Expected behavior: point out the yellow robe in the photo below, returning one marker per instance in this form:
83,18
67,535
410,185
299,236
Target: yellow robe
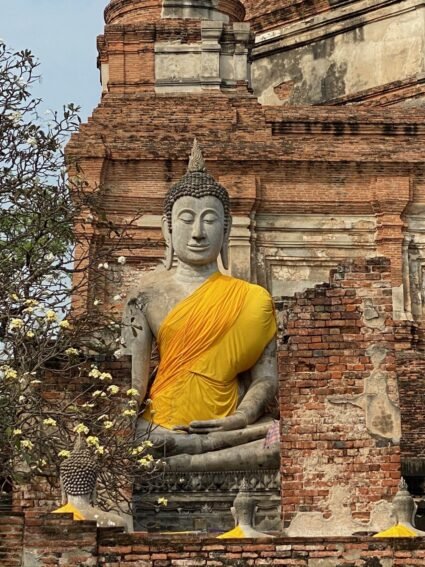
209,338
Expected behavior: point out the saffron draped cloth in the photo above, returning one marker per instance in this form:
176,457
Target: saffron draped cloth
210,337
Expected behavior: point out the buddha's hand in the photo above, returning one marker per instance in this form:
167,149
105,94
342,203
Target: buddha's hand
230,423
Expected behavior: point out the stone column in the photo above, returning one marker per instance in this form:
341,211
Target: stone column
210,58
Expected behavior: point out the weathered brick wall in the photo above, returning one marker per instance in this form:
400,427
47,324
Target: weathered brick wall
267,14
58,541
11,539
411,377
338,399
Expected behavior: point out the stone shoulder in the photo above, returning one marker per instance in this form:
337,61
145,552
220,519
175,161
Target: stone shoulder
150,284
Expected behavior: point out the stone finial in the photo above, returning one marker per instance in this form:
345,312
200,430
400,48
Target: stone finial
402,485
196,160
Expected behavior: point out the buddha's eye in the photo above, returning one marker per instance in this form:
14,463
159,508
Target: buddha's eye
210,219
186,218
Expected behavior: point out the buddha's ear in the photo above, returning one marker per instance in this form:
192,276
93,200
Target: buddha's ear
169,251
224,253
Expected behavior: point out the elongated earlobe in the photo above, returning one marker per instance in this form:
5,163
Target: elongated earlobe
224,252
169,250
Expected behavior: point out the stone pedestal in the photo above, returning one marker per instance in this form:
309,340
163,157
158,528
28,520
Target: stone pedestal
202,501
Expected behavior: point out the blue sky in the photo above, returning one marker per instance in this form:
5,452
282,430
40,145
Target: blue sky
62,34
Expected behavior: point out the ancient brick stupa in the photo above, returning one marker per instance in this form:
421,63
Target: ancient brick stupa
323,161
311,114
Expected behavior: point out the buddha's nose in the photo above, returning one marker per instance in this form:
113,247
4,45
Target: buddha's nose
198,230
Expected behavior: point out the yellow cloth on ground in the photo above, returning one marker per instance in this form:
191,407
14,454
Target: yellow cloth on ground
70,509
236,533
209,338
397,531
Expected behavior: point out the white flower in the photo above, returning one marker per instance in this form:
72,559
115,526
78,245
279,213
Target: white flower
27,444
64,324
35,381
95,372
92,441
132,392
50,257
100,450
122,260
105,376
96,302
16,117
30,334
118,354
16,324
32,142
71,352
17,432
21,399
112,389
50,422
81,428
31,302
105,266
108,424
64,454
50,315
96,394
9,372
117,297
129,412
163,501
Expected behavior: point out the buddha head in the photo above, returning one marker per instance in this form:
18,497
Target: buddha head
79,472
197,221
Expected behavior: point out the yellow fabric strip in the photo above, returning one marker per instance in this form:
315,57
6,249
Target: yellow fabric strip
195,324
70,509
397,531
236,533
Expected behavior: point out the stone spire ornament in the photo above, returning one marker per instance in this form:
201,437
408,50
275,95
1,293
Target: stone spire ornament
196,160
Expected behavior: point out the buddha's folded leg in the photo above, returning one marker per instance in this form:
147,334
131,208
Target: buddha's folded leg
167,442
243,457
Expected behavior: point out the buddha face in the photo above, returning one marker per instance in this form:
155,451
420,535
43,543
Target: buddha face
198,229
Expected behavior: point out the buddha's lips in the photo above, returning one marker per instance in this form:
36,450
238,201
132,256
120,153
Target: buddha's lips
198,248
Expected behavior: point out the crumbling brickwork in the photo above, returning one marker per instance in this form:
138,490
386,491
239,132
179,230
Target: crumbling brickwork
339,400
59,542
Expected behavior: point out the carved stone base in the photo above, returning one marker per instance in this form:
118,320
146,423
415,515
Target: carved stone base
202,501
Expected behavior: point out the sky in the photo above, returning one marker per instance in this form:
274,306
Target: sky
62,34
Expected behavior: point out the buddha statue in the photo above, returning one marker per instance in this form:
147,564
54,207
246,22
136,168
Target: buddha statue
206,405
78,478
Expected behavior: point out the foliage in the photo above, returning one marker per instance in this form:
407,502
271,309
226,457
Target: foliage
51,391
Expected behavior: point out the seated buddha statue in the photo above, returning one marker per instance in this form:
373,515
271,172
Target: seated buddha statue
206,405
